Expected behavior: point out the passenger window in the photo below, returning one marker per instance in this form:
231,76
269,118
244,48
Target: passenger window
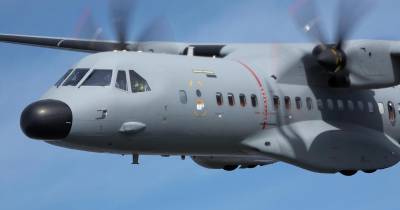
121,82
370,107
231,99
309,104
277,103
198,93
75,77
254,100
350,105
340,105
360,105
138,83
320,104
330,104
99,78
288,103
381,108
299,103
183,97
242,99
392,112
220,99
59,82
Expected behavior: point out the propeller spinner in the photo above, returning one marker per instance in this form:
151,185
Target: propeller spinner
330,56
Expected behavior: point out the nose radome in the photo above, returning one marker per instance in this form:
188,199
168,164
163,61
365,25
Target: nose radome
47,120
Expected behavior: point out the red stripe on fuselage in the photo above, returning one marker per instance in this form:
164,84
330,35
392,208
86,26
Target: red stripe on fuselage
263,92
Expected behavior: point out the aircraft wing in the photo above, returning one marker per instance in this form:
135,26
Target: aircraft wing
81,45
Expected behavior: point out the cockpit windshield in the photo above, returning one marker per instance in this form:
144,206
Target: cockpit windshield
59,82
99,78
138,83
75,77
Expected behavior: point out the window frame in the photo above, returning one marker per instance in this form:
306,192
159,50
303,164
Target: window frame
350,105
276,102
126,80
288,103
340,105
82,79
254,100
141,77
61,81
183,98
330,104
242,100
391,112
87,76
360,106
381,108
370,107
309,103
231,102
320,104
220,96
299,103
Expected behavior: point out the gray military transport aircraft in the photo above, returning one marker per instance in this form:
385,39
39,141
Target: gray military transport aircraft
325,107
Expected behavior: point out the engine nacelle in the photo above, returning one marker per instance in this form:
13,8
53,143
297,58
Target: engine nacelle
373,64
231,163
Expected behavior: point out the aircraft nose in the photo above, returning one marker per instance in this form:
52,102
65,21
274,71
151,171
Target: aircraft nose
47,120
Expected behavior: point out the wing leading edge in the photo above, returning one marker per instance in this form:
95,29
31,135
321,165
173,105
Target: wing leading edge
80,45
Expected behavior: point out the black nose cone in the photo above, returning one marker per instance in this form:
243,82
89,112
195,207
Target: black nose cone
47,120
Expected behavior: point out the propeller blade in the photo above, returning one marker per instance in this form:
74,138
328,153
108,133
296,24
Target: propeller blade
121,16
350,13
306,16
159,29
87,27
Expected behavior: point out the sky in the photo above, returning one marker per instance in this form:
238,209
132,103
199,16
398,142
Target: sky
35,175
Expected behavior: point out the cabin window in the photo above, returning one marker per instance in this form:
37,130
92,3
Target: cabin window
288,103
360,105
381,108
340,105
99,78
138,83
59,82
277,103
121,82
183,97
231,99
320,104
392,112
254,100
75,77
309,103
242,99
299,103
330,104
220,99
350,105
370,107
198,93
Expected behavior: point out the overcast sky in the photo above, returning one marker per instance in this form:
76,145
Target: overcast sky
35,175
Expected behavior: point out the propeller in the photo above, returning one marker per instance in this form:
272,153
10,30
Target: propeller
121,18
122,15
349,14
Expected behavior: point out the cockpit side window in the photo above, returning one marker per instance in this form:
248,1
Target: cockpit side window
75,77
121,82
61,80
99,78
138,83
